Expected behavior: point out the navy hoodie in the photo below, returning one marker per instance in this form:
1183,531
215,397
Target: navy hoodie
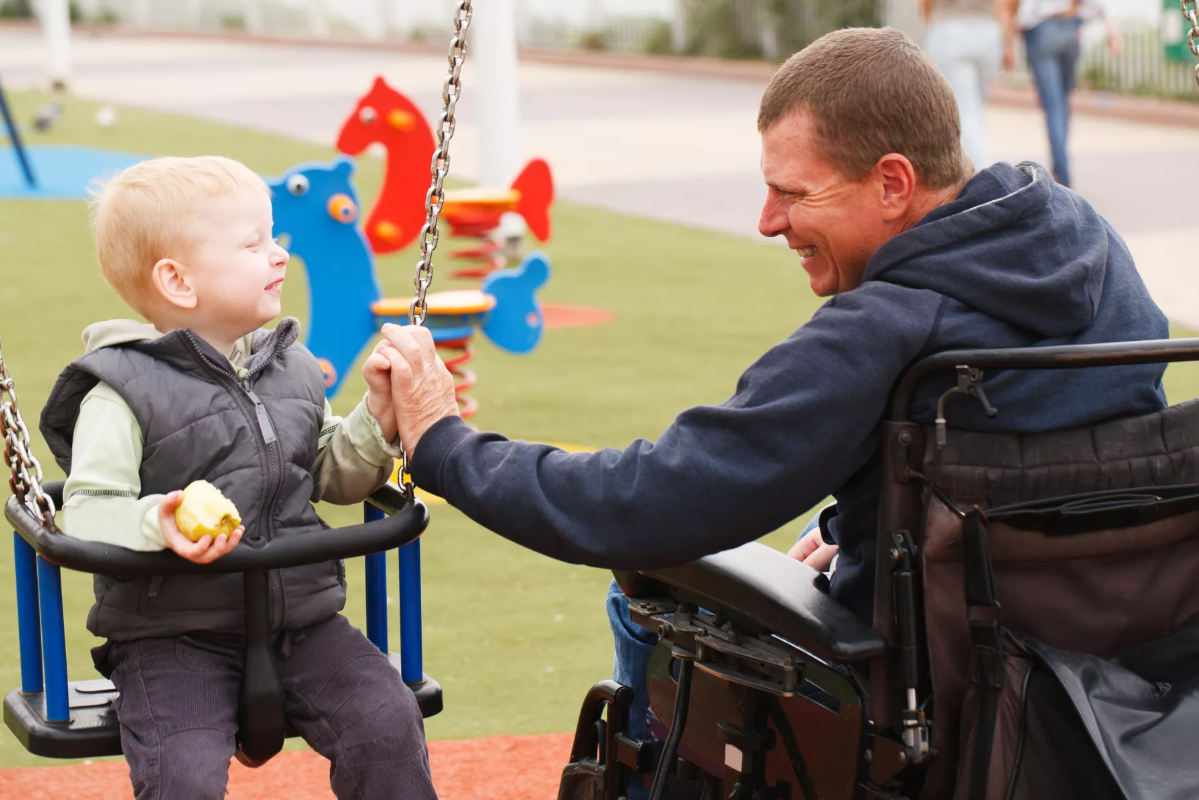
1015,261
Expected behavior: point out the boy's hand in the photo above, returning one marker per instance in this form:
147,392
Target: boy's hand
377,371
204,551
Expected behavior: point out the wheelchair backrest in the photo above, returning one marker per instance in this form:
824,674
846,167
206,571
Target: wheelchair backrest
1093,536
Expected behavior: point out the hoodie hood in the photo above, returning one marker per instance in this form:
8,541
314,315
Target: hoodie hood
113,332
117,331
1014,245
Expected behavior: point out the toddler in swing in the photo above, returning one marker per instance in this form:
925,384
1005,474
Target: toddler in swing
204,392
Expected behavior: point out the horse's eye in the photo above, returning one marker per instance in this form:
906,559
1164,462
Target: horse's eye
298,185
367,115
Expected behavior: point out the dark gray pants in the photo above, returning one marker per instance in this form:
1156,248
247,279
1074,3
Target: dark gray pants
178,714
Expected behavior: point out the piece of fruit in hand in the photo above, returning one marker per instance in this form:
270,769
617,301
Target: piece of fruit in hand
205,512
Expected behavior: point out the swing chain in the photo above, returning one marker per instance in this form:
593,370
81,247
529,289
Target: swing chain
440,164
1192,16
26,479
435,197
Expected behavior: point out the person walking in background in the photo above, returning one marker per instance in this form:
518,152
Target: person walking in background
1051,31
965,42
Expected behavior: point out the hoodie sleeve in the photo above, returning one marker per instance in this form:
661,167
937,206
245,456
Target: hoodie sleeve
803,419
101,500
352,458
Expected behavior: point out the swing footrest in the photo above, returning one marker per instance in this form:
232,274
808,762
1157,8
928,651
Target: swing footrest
91,732
428,691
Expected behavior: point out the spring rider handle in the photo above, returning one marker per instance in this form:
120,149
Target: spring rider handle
262,723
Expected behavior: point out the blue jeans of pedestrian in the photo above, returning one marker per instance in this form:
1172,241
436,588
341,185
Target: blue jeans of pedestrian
1052,49
633,647
968,50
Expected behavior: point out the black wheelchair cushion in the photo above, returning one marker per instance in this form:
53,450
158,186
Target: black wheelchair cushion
758,586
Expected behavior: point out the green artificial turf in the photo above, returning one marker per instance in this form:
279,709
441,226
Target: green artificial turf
514,638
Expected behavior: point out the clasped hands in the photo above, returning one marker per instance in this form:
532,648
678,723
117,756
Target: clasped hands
409,388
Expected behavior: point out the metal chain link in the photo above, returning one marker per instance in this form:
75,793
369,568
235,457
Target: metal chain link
26,479
439,167
1192,16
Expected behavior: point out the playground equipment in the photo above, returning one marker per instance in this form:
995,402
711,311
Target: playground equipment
316,211
504,307
386,116
14,137
57,718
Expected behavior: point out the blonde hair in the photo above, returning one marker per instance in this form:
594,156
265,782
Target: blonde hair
139,216
870,92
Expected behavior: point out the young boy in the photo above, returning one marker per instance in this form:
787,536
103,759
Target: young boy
203,392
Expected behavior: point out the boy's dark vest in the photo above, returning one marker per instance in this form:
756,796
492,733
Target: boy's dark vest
199,421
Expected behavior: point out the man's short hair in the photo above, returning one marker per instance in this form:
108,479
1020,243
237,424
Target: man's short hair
140,216
872,91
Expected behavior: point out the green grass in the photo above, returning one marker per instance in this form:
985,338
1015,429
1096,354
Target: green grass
513,637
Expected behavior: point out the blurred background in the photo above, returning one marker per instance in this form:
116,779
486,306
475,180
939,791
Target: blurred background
1154,62
645,111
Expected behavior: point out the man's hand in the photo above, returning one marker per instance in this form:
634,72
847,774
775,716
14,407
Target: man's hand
422,389
204,551
377,371
812,550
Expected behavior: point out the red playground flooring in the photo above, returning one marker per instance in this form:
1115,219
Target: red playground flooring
490,768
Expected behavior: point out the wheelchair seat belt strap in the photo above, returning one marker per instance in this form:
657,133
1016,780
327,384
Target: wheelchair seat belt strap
982,609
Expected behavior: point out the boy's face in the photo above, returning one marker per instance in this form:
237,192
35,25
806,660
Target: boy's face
236,268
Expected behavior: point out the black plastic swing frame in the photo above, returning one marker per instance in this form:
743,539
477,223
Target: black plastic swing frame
85,730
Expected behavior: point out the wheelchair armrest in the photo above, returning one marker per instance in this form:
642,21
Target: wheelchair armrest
407,521
770,592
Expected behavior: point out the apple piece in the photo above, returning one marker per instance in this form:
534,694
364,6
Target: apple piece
206,512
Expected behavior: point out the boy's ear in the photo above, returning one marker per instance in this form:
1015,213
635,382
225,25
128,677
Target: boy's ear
173,283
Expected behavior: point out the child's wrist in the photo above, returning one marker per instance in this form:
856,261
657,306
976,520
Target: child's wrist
380,411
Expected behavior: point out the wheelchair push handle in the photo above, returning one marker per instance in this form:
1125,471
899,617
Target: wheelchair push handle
1074,356
407,520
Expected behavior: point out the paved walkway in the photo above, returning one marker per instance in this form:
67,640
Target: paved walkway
673,147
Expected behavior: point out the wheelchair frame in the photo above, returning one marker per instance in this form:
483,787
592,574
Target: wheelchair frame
741,629
59,719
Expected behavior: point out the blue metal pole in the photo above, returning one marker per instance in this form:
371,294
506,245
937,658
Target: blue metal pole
17,146
54,644
411,649
25,561
376,587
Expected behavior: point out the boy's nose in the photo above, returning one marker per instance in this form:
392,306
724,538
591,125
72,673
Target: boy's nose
280,257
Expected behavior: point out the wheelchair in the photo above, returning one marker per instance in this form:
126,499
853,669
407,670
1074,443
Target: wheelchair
59,719
1034,631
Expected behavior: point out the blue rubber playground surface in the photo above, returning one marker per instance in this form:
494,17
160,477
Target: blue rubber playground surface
63,172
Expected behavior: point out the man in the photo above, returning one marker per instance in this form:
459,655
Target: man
868,183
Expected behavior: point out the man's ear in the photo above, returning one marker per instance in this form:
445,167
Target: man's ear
173,283
897,184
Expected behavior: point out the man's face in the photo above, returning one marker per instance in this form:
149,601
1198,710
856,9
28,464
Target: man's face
834,224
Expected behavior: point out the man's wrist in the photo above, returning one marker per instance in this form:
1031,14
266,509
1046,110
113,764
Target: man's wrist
433,447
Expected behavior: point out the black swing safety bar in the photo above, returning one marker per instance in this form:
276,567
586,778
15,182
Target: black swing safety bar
52,717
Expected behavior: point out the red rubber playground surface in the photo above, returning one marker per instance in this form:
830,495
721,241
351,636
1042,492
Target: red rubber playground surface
489,768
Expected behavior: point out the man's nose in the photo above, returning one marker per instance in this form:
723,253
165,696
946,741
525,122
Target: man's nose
773,221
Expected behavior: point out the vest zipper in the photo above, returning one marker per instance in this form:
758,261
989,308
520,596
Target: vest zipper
274,469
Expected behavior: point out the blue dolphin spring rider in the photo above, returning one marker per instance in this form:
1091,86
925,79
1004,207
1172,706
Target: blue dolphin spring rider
54,717
317,214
